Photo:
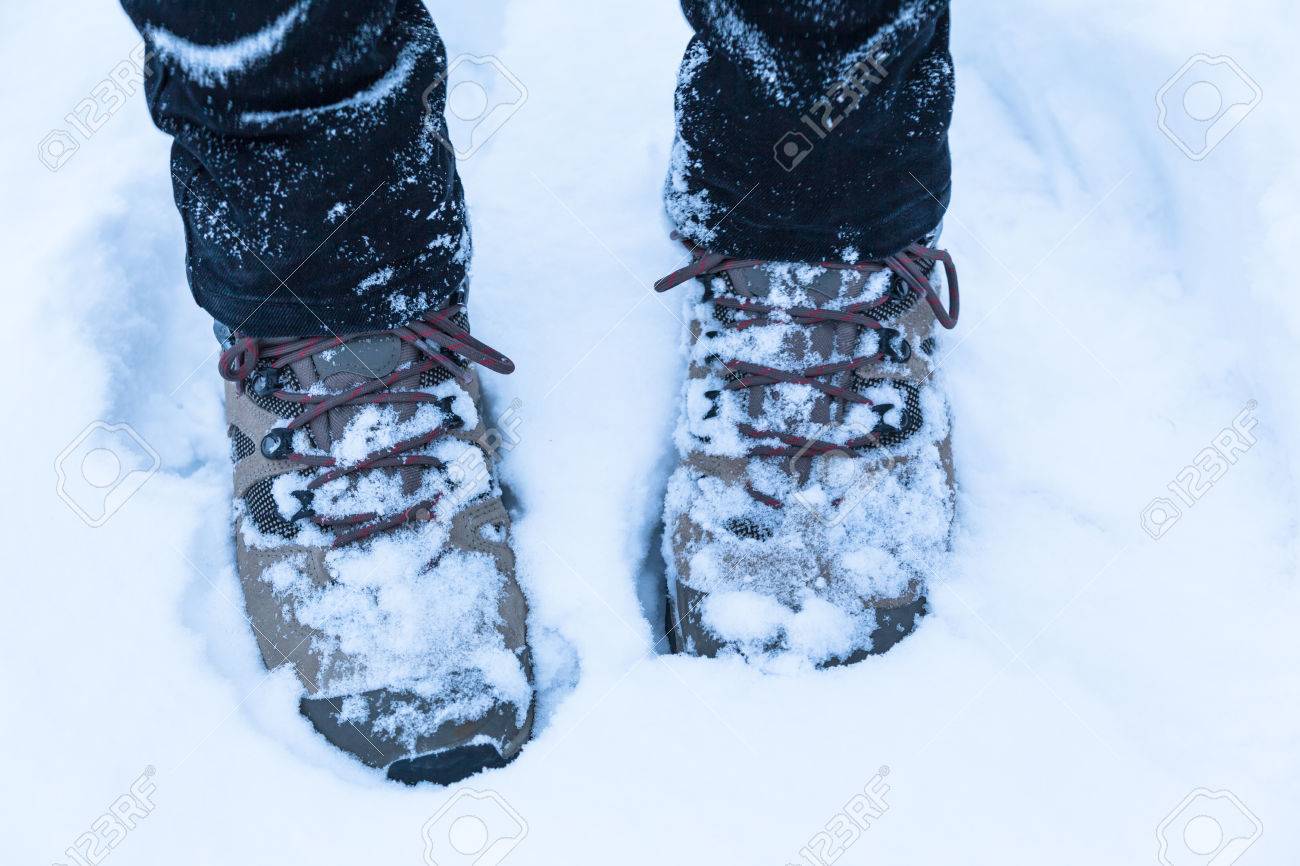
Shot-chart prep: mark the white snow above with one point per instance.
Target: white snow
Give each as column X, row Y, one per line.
column 363, row 100
column 1078, row 680
column 213, row 64
column 378, row 278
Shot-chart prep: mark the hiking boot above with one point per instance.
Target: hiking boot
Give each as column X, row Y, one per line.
column 814, row 494
column 372, row 544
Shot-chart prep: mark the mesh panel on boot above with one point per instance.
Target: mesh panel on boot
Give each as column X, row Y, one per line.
column 743, row 527
column 911, row 412
column 274, row 405
column 240, row 445
column 262, row 508
column 436, row 376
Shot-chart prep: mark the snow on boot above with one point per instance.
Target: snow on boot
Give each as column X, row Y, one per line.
column 814, row 494
column 372, row 544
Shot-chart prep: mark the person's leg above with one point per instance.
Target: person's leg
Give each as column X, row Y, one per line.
column 307, row 161
column 325, row 227
column 812, row 130
column 814, row 496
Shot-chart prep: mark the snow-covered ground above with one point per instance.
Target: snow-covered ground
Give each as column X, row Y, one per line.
column 1126, row 308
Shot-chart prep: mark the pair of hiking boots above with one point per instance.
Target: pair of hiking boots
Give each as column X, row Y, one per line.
column 811, row 504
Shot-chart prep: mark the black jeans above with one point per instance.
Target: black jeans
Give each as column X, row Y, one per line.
column 310, row 170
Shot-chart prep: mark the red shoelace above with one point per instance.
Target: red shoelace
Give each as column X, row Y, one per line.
column 431, row 334
column 912, row 265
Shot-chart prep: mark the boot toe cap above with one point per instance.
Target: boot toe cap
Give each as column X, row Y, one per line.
column 448, row 766
column 442, row 753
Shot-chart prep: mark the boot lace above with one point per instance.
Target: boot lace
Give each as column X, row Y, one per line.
column 442, row 344
column 912, row 265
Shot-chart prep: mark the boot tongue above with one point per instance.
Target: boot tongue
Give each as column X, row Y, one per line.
column 341, row 368
column 365, row 358
column 793, row 284
column 804, row 285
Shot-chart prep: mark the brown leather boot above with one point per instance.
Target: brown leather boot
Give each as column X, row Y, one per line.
column 372, row 545
column 814, row 495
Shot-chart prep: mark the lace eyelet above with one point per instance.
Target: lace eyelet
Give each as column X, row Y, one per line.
column 277, row 444
column 893, row 346
column 304, row 498
column 265, row 382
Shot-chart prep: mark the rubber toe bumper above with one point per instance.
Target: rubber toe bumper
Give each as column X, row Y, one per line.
column 446, row 767
column 892, row 625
